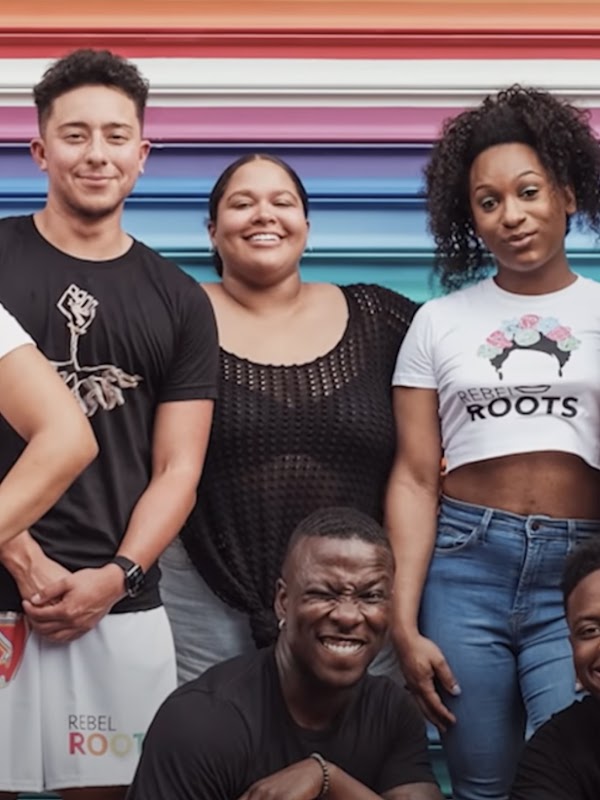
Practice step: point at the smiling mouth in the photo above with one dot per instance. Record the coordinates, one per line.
(342, 647)
(264, 237)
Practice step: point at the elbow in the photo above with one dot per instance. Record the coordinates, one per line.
(81, 448)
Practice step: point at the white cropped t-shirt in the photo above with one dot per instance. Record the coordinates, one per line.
(12, 334)
(514, 373)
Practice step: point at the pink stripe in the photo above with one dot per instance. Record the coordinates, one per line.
(272, 124)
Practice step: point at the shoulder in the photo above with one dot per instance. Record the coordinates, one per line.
(13, 227)
(237, 679)
(152, 260)
(373, 299)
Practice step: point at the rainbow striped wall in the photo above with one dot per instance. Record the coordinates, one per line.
(351, 93)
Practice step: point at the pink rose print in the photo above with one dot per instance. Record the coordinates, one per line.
(498, 339)
(531, 332)
(558, 334)
(529, 320)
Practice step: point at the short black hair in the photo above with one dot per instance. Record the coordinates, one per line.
(584, 560)
(563, 140)
(339, 522)
(222, 182)
(87, 67)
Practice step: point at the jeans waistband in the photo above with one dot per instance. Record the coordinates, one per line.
(474, 511)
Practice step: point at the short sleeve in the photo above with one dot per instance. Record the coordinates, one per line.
(194, 371)
(407, 760)
(12, 334)
(195, 748)
(415, 366)
(545, 771)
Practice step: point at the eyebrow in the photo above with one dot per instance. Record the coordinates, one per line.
(80, 124)
(251, 193)
(520, 175)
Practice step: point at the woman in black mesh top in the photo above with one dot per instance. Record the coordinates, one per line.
(304, 416)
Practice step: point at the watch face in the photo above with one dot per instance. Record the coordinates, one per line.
(134, 580)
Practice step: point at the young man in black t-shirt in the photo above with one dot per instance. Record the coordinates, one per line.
(302, 719)
(562, 759)
(134, 339)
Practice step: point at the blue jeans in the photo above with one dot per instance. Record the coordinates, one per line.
(492, 603)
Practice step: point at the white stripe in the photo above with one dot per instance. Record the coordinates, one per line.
(327, 82)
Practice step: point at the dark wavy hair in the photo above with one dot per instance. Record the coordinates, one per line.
(222, 182)
(88, 67)
(559, 133)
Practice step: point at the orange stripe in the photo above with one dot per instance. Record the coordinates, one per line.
(321, 14)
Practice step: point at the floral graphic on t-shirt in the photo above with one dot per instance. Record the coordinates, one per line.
(529, 332)
(97, 387)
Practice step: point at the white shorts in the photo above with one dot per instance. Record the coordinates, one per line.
(75, 714)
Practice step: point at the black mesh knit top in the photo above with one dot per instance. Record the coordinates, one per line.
(287, 440)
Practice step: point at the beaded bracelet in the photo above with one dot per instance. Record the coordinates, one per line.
(324, 766)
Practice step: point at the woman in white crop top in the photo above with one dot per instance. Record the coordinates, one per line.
(502, 378)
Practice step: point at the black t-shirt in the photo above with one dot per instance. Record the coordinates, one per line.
(218, 734)
(562, 759)
(125, 335)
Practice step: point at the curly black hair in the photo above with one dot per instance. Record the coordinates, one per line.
(87, 67)
(559, 133)
(584, 560)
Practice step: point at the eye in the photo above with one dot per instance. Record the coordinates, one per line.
(589, 631)
(488, 203)
(373, 596)
(118, 137)
(529, 192)
(320, 594)
(74, 137)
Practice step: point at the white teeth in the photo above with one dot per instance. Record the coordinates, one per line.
(342, 648)
(264, 237)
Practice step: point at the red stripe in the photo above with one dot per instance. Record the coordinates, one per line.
(47, 43)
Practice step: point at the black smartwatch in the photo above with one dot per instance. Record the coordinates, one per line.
(134, 575)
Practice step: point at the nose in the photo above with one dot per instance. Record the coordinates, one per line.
(96, 149)
(346, 613)
(263, 211)
(513, 213)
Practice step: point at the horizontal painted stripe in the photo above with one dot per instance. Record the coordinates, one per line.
(329, 82)
(374, 44)
(321, 14)
(264, 124)
(341, 125)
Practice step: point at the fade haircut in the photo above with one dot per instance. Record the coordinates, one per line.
(584, 560)
(339, 522)
(88, 67)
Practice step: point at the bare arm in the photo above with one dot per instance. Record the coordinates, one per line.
(60, 442)
(181, 432)
(304, 781)
(411, 514)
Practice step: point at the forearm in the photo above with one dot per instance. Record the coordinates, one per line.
(19, 555)
(42, 473)
(159, 515)
(343, 787)
(411, 520)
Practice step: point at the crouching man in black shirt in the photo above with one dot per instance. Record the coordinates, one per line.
(302, 719)
(562, 759)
